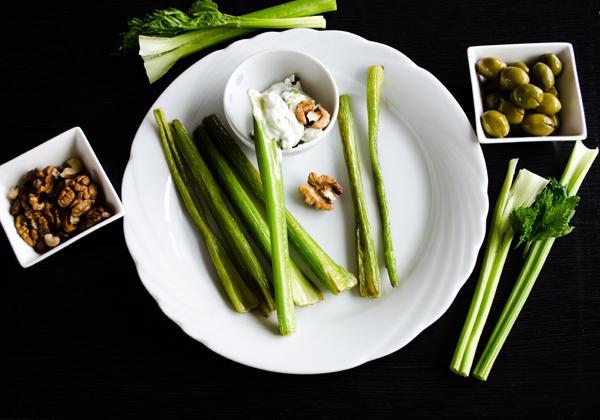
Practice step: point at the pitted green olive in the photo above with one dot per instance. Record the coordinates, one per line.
(495, 124)
(542, 76)
(550, 104)
(552, 61)
(520, 65)
(538, 124)
(513, 113)
(553, 91)
(511, 77)
(492, 101)
(527, 96)
(490, 67)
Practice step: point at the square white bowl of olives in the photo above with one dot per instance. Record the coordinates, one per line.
(518, 100)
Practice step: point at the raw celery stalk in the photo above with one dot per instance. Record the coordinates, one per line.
(240, 296)
(579, 163)
(520, 193)
(304, 292)
(368, 268)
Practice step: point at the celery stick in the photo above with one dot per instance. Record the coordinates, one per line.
(268, 155)
(368, 268)
(374, 81)
(240, 296)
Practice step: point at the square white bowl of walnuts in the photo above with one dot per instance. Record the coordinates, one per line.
(526, 93)
(53, 195)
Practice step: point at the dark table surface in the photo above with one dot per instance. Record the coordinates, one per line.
(82, 337)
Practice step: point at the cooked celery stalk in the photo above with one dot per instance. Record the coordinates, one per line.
(268, 155)
(579, 163)
(368, 268)
(304, 292)
(520, 193)
(331, 275)
(374, 80)
(232, 232)
(239, 294)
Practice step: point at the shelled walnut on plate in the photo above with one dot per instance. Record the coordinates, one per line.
(53, 204)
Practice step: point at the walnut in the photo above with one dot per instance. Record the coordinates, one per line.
(302, 109)
(93, 217)
(23, 229)
(34, 202)
(65, 197)
(321, 191)
(319, 118)
(73, 167)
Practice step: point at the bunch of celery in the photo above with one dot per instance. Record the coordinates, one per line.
(165, 36)
(241, 297)
(303, 291)
(330, 274)
(538, 215)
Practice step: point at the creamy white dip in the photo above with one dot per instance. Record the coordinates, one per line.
(279, 103)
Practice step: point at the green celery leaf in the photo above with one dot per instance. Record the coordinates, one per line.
(549, 217)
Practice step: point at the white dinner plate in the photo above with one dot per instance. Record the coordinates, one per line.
(436, 184)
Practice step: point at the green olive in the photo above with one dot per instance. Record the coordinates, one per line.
(552, 61)
(511, 77)
(513, 113)
(495, 124)
(527, 96)
(538, 124)
(553, 91)
(550, 104)
(520, 65)
(542, 76)
(490, 67)
(492, 101)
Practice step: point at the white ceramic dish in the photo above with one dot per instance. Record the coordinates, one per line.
(265, 68)
(572, 117)
(436, 182)
(71, 143)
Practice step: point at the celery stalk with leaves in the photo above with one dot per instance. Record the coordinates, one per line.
(538, 226)
(330, 274)
(518, 193)
(234, 236)
(268, 155)
(240, 296)
(374, 81)
(165, 36)
(368, 268)
(304, 292)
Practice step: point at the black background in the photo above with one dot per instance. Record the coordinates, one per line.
(81, 337)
